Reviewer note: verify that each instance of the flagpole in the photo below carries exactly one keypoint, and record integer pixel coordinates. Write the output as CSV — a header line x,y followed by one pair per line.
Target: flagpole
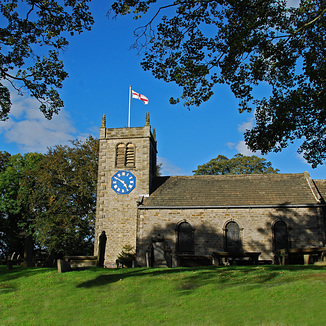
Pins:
x,y
129,106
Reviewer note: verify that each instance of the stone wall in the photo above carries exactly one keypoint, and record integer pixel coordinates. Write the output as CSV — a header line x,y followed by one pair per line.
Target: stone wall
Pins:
x,y
117,214
124,222
256,228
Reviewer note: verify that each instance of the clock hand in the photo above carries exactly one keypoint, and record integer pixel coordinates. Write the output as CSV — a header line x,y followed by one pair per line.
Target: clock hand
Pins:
x,y
124,184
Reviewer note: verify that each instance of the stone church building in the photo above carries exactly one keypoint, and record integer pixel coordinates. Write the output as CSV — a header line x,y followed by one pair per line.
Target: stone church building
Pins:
x,y
171,219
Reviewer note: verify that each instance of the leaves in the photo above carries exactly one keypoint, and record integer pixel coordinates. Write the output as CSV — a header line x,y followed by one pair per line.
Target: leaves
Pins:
x,y
239,164
31,35
16,183
51,196
245,44
127,255
65,198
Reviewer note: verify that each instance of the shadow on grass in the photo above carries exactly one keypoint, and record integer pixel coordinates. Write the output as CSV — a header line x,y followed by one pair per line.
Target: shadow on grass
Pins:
x,y
189,279
18,271
8,275
115,275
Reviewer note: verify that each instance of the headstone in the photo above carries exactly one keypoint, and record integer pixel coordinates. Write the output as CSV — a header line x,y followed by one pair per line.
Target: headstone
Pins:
x,y
63,266
9,263
306,259
148,257
28,251
101,249
158,252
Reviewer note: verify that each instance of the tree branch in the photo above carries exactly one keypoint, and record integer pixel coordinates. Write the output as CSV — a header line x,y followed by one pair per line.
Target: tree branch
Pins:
x,y
309,23
147,26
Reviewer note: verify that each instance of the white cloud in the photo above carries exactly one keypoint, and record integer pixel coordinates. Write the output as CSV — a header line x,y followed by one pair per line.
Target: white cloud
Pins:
x,y
31,131
169,168
230,145
244,149
300,157
241,146
246,125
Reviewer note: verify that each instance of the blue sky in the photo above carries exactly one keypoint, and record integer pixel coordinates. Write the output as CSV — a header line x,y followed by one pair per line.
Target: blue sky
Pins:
x,y
101,67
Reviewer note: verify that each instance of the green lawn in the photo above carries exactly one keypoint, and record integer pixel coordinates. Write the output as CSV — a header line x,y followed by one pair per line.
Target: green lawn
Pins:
x,y
264,295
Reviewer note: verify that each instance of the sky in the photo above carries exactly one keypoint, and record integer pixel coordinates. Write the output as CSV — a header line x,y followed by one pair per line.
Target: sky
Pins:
x,y
101,68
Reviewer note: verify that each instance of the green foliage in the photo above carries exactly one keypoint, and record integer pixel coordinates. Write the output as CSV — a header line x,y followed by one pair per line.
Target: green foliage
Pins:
x,y
159,169
127,255
64,198
239,164
52,197
31,35
16,184
245,44
255,295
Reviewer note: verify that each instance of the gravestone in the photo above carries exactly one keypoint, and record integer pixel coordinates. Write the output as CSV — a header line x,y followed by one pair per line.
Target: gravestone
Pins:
x,y
159,253
101,249
28,252
63,266
9,263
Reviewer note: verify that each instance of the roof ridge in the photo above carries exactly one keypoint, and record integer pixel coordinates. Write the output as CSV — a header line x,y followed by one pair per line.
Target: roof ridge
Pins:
x,y
313,187
237,175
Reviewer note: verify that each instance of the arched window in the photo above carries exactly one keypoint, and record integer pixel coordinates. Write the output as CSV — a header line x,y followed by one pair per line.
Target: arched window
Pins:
x,y
185,243
130,155
281,237
232,237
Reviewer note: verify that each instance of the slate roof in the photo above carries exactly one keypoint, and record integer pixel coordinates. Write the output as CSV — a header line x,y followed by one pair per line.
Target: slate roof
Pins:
x,y
321,186
232,190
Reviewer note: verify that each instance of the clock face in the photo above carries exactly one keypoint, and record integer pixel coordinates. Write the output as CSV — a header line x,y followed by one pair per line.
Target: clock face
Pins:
x,y
123,182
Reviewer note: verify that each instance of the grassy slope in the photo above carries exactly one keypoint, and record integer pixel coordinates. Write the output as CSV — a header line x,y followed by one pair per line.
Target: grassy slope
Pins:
x,y
265,295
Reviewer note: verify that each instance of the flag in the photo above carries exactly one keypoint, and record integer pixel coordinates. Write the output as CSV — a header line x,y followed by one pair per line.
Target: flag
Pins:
x,y
140,97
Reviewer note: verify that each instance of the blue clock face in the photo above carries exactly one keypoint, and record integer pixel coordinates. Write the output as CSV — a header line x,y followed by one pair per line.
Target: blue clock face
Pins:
x,y
123,182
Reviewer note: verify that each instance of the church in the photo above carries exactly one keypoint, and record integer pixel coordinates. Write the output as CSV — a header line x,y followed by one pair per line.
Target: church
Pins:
x,y
178,220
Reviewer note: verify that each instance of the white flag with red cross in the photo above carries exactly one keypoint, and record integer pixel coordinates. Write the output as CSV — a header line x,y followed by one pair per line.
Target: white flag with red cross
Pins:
x,y
139,96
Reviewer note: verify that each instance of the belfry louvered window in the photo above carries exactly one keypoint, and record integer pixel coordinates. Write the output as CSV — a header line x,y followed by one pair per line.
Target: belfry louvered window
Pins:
x,y
120,155
130,155
125,155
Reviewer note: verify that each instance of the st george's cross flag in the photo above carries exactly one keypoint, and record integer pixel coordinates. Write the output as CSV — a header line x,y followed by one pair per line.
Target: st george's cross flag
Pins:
x,y
140,97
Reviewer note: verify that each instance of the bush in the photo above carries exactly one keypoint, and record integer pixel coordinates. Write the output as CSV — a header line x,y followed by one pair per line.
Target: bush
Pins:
x,y
127,256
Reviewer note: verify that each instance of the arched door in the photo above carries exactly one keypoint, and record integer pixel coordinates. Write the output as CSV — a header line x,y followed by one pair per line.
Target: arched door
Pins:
x,y
232,234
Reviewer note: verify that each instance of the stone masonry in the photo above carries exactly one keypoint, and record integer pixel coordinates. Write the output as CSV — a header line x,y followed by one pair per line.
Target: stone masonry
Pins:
x,y
256,228
157,206
116,213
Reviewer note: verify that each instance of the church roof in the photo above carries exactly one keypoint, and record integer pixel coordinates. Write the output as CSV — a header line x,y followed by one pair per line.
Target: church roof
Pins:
x,y
234,190
321,186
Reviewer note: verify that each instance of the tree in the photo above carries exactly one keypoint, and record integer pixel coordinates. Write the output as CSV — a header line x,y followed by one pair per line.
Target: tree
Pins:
x,y
16,184
239,164
51,197
245,44
159,169
31,35
64,198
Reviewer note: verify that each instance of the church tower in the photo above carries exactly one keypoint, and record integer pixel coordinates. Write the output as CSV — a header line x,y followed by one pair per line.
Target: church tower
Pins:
x,y
126,168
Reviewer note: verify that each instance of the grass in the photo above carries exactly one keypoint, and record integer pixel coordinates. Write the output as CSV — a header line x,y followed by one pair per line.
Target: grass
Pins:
x,y
264,295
